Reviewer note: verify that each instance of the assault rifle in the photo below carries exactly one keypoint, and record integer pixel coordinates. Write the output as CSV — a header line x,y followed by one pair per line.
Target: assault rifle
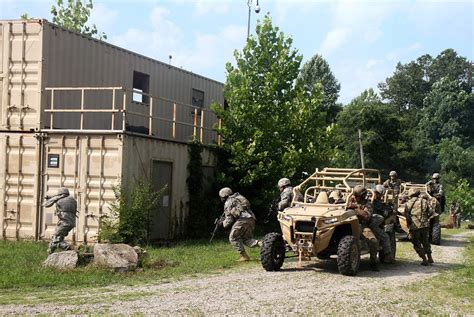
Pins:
x,y
217,224
272,210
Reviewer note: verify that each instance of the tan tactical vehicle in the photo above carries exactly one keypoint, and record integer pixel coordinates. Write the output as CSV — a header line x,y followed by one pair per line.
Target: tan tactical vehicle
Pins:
x,y
321,225
435,226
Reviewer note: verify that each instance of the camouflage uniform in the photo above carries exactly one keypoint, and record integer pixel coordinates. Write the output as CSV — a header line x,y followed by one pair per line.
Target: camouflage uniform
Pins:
x,y
377,219
436,190
238,214
395,184
66,208
364,212
418,213
286,197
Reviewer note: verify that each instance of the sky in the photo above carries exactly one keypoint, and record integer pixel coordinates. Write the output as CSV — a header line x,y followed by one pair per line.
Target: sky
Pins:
x,y
362,40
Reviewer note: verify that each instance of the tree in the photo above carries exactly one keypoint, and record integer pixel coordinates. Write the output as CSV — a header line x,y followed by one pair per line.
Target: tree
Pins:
x,y
74,17
317,71
380,126
271,128
408,86
448,64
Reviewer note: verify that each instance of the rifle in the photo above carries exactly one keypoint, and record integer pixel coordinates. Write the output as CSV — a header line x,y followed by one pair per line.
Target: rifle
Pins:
x,y
217,223
272,210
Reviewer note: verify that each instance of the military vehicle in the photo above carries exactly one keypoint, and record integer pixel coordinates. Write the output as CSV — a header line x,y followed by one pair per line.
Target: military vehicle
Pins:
x,y
322,227
435,226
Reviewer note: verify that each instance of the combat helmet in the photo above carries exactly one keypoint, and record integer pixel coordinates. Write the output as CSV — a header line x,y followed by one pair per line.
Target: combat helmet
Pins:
x,y
413,192
379,189
392,173
359,191
435,176
284,182
63,191
225,192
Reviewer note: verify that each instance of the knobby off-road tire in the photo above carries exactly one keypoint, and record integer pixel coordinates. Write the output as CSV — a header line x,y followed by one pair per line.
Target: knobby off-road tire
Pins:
x,y
348,256
393,244
436,233
272,252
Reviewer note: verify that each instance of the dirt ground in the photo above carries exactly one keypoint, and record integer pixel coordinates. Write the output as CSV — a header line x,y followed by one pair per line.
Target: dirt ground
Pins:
x,y
317,288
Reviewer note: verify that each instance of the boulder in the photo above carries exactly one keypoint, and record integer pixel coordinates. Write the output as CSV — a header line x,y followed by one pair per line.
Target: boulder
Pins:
x,y
118,257
62,260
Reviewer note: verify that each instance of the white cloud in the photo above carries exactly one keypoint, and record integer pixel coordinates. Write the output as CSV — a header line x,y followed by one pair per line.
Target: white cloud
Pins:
x,y
333,40
214,7
373,62
103,17
199,52
399,53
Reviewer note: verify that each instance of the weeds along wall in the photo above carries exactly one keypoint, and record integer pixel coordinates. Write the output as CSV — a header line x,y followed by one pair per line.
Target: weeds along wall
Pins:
x,y
50,79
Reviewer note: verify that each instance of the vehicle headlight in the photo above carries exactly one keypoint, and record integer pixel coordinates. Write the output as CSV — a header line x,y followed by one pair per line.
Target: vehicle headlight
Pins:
x,y
287,218
329,221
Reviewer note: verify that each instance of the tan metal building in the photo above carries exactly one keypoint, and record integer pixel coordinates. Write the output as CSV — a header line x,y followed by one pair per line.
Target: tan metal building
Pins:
x,y
87,115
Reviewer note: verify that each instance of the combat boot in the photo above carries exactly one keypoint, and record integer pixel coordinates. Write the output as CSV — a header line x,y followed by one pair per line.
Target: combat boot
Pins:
x,y
373,265
430,259
243,257
425,261
388,259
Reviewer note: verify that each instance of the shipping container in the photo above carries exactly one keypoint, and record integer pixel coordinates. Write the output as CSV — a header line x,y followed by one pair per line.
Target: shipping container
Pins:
x,y
38,57
87,115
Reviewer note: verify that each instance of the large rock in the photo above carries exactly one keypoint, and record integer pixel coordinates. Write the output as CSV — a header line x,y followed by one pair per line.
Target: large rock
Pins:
x,y
62,260
119,257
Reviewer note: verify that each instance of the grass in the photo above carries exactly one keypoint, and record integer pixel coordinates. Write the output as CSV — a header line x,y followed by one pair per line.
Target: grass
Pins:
x,y
22,275
454,287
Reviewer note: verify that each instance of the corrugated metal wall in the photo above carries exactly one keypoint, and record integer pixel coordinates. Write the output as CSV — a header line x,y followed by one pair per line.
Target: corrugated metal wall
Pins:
x,y
20,75
72,60
139,155
36,55
89,166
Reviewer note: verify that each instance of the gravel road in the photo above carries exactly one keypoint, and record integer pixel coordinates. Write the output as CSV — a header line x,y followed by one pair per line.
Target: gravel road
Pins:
x,y
317,288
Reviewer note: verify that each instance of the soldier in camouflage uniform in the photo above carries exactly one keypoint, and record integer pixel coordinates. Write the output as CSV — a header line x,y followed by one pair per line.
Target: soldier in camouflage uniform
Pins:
x,y
435,189
393,182
418,214
238,215
66,209
364,210
381,212
286,194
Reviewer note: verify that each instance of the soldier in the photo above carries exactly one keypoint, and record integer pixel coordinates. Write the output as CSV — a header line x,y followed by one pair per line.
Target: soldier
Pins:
x,y
241,218
66,208
393,182
286,194
381,211
364,210
418,214
435,189
455,214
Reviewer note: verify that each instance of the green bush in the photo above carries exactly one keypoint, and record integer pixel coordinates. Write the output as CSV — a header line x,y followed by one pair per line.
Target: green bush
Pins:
x,y
464,195
131,214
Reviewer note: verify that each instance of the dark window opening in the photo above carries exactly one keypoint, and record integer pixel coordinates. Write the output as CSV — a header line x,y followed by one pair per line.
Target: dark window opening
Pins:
x,y
141,86
197,100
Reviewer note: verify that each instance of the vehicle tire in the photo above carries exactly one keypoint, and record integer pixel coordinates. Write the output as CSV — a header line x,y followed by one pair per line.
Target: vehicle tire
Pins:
x,y
393,244
272,252
436,233
348,256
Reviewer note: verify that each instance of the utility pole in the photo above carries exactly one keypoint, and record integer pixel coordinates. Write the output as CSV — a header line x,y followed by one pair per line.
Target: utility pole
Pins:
x,y
361,149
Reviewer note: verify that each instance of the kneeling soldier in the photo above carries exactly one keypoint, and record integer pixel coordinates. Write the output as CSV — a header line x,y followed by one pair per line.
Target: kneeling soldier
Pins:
x,y
241,218
418,213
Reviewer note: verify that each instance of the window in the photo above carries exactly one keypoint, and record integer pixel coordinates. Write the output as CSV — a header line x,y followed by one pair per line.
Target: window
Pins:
x,y
141,86
197,100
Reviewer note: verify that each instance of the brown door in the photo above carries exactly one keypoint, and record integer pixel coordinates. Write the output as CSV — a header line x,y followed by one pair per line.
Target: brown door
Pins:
x,y
161,178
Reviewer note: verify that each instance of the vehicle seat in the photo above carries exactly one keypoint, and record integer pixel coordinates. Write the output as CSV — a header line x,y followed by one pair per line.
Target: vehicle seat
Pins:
x,y
322,198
